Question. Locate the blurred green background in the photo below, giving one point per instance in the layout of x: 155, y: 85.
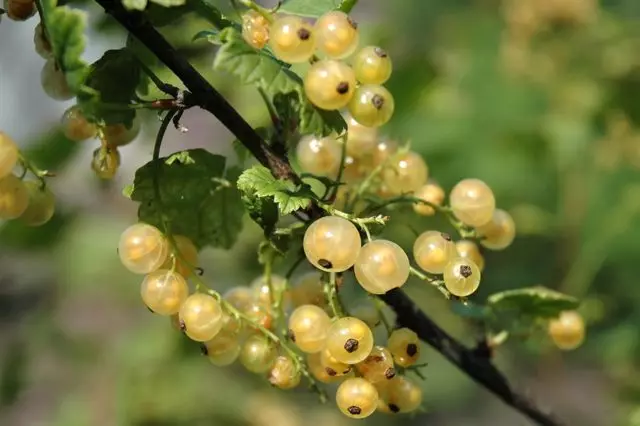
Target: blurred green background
x: 539, y: 98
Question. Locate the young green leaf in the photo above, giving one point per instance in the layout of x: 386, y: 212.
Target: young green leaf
x: 259, y: 182
x: 532, y: 302
x: 65, y: 32
x: 198, y: 199
x: 308, y: 8
x: 264, y: 71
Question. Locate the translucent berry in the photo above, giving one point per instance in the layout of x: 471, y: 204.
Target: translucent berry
x: 20, y: 10
x: 567, y: 331
x: 332, y: 366
x: 240, y: 297
x: 259, y: 313
x: 164, y: 291
x: 349, y: 340
x: 404, y: 346
x: 42, y: 205
x: 14, y: 197
x: 185, y: 255
x: 433, y: 250
x: 223, y: 349
x: 308, y: 290
x: 258, y: 354
x: 401, y: 395
x: 8, y: 155
x: 308, y: 327
x: 75, y: 126
x: 461, y: 277
x: 54, y: 82
x: 499, y: 232
x: 255, y: 29
x: 432, y: 193
x: 381, y: 266
x: 319, y: 156
x: 261, y: 290
x: 202, y: 317
x: 371, y: 105
x: 366, y: 312
x: 105, y: 162
x: 472, y: 202
x: 372, y: 65
x: 142, y: 248
x: 469, y: 250
x: 120, y: 135
x: 42, y: 45
x: 332, y: 244
x: 361, y: 140
x: 330, y: 84
x: 337, y: 35
x: 318, y: 371
x: 284, y: 374
x: 357, y: 398
x: 292, y: 39
x: 378, y: 366
x: 406, y: 173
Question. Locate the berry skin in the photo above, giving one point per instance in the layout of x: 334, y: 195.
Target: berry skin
x: 120, y: 135
x: 284, y: 374
x: 371, y: 105
x: 378, y: 366
x: 404, y: 345
x: 258, y: 354
x: 42, y: 45
x: 499, y: 232
x: 332, y: 244
x: 318, y: 371
x: 330, y: 84
x: 461, y: 277
x: 337, y: 35
x: 292, y: 39
x: 372, y: 65
x: 319, y: 156
x: 367, y: 313
x: 20, y: 10
x: 567, y: 331
x: 308, y: 327
x: 142, y: 248
x: 223, y: 349
x: 361, y: 140
x: 382, y: 151
x: 186, y: 256
x: 164, y: 291
x: 261, y: 291
x: 239, y: 297
x: 349, y: 340
x: 308, y: 291
x: 433, y: 250
x: 333, y: 367
x: 432, y: 193
x: 469, y: 250
x: 8, y: 155
x: 255, y: 29
x: 42, y: 205
x: 407, y: 173
x: 54, y: 82
x: 401, y: 395
x: 381, y: 266
x: 202, y: 317
x: 14, y: 197
x: 472, y: 202
x: 259, y: 313
x: 357, y: 398
x: 75, y: 126
x: 105, y: 162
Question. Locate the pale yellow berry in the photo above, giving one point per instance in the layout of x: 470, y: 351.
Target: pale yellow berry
x: 308, y: 290
x: 308, y: 327
x: 432, y: 193
x: 202, y: 317
x: 361, y: 140
x: 329, y: 84
x: 319, y: 156
x: 461, y: 277
x: 258, y: 354
x: 372, y: 105
x: 406, y: 173
x: 255, y: 29
x: 105, y: 162
x: 378, y: 366
x: 382, y: 265
x: 262, y: 292
x: 401, y: 395
x: 357, y: 398
x: 142, y: 248
x: 14, y: 197
x: 41, y: 205
x: 223, y: 349
x: 8, y: 155
x: 239, y: 297
x: 349, y: 340
x: 332, y: 244
x: 337, y: 35
x: 499, y: 232
x: 318, y: 371
x: 404, y: 346
x: 185, y: 256
x: 120, y: 135
x: 472, y: 202
x: 292, y: 39
x: 433, y: 250
x: 164, y: 291
x: 284, y: 374
x: 75, y: 125
x: 332, y: 366
x: 372, y: 65
x: 567, y: 331
x: 469, y: 250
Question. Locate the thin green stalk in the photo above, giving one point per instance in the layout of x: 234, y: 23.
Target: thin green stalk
x: 264, y: 12
x: 347, y: 5
x: 439, y: 284
x: 38, y: 173
x: 330, y: 194
x: 379, y: 304
x: 331, y: 294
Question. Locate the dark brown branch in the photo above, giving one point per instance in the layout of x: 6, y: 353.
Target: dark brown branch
x: 473, y: 363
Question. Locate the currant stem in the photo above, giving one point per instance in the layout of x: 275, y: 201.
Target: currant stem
x: 38, y: 173
x: 347, y: 5
x: 439, y: 284
x: 331, y: 294
x: 265, y: 13
x: 379, y: 304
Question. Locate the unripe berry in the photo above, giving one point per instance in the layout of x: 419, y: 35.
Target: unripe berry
x: 258, y: 354
x: 54, y: 82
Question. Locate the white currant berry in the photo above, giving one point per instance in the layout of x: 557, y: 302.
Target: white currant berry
x: 41, y: 206
x: 202, y: 317
x: 407, y: 173
x: 372, y: 65
x: 164, y: 291
x: 75, y: 126
x: 461, y: 277
x: 567, y: 331
x: 308, y: 327
x: 361, y: 140
x: 337, y: 34
x: 349, y: 340
x: 404, y: 346
x: 332, y: 366
x: 255, y: 29
x: 371, y: 105
x: 432, y: 193
x: 382, y: 265
x: 332, y: 244
x: 330, y: 84
x: 472, y: 202
x: 357, y: 398
x: 319, y: 156
x: 8, y: 155
x: 292, y: 39
x: 14, y: 197
x: 499, y: 232
x: 378, y: 366
x: 433, y: 250
x: 318, y: 371
x: 119, y: 135
x: 400, y: 395
x: 308, y: 290
x: 469, y: 250
x: 185, y: 256
x: 258, y: 354
x: 284, y: 374
x: 105, y: 162
x: 54, y: 82
x: 142, y: 248
x: 223, y: 349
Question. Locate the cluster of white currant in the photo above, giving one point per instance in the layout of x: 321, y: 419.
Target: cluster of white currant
x: 329, y: 84
x: 234, y: 326
x: 31, y: 201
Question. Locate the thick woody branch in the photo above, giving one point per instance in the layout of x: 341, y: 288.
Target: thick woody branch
x: 476, y: 364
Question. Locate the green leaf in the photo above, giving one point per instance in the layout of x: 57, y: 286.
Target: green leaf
x: 308, y: 8
x: 276, y: 79
x: 259, y: 182
x: 198, y: 199
x: 134, y: 4
x: 533, y: 302
x: 65, y: 30
x: 169, y: 3
x: 114, y: 77
x: 263, y: 211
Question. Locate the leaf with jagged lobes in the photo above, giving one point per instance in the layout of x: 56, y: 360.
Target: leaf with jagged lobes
x: 532, y: 302
x: 198, y: 197
x: 65, y: 31
x: 259, y: 68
